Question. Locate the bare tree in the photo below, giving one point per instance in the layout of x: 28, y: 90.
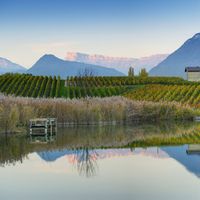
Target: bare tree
x: 86, y: 72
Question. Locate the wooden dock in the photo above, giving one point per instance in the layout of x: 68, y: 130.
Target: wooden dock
x: 43, y: 126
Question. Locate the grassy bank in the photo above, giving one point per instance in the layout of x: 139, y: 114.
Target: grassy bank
x: 15, y: 111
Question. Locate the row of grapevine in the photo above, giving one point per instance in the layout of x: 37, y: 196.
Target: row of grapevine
x: 29, y: 86
x: 42, y: 86
x: 121, y: 81
x: 169, y: 89
x: 185, y: 94
x: 81, y: 92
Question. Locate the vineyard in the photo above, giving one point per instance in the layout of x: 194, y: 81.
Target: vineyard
x: 149, y: 88
x: 122, y: 81
x: 29, y: 86
x: 26, y: 85
x: 185, y: 94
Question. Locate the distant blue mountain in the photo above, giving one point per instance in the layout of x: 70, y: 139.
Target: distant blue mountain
x: 50, y: 65
x: 8, y: 66
x: 187, y: 55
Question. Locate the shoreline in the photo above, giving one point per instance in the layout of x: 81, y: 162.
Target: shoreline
x: 17, y: 111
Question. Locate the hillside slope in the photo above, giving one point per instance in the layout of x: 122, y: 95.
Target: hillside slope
x: 187, y: 55
x: 50, y: 65
x: 8, y: 66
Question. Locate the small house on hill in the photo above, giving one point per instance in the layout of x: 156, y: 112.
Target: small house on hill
x: 192, y: 73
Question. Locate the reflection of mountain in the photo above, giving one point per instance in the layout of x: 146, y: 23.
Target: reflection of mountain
x: 102, y: 153
x: 190, y: 162
x: 54, y: 155
x: 85, y: 159
x: 84, y: 146
x: 15, y: 149
x: 178, y: 153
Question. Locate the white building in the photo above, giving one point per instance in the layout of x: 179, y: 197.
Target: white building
x: 192, y: 73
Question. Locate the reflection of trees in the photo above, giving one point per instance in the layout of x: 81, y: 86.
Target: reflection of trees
x: 15, y: 148
x: 12, y: 150
x: 86, y: 161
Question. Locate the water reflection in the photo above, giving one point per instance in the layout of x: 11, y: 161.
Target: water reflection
x: 85, y: 160
x: 84, y: 146
x: 190, y: 161
x: 42, y: 139
x: 193, y: 149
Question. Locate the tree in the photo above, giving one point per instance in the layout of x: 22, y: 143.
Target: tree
x: 143, y: 73
x: 86, y: 72
x: 131, y: 72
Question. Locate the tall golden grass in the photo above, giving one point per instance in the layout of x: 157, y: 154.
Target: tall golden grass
x: 18, y: 110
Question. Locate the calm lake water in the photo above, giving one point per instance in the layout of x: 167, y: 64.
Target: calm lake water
x: 111, y: 162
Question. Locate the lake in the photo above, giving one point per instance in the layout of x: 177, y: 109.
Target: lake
x: 146, y: 161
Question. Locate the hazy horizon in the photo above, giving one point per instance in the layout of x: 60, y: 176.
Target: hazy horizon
x: 123, y: 28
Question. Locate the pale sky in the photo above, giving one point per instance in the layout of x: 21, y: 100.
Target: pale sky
x: 125, y: 28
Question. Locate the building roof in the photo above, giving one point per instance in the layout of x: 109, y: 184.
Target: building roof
x: 192, y: 69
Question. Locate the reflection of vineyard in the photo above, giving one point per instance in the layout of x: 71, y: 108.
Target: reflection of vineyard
x: 12, y: 150
x: 187, y: 94
x: 84, y: 140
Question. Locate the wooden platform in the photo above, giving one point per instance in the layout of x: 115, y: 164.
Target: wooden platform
x: 43, y: 126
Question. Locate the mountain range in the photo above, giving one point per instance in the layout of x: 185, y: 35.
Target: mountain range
x: 120, y: 63
x: 75, y: 63
x: 8, y: 66
x: 174, y: 65
x: 50, y: 65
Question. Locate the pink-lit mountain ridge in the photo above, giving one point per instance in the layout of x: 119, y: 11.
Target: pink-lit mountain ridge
x: 120, y: 63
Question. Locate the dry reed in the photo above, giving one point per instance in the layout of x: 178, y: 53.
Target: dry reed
x: 18, y: 110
